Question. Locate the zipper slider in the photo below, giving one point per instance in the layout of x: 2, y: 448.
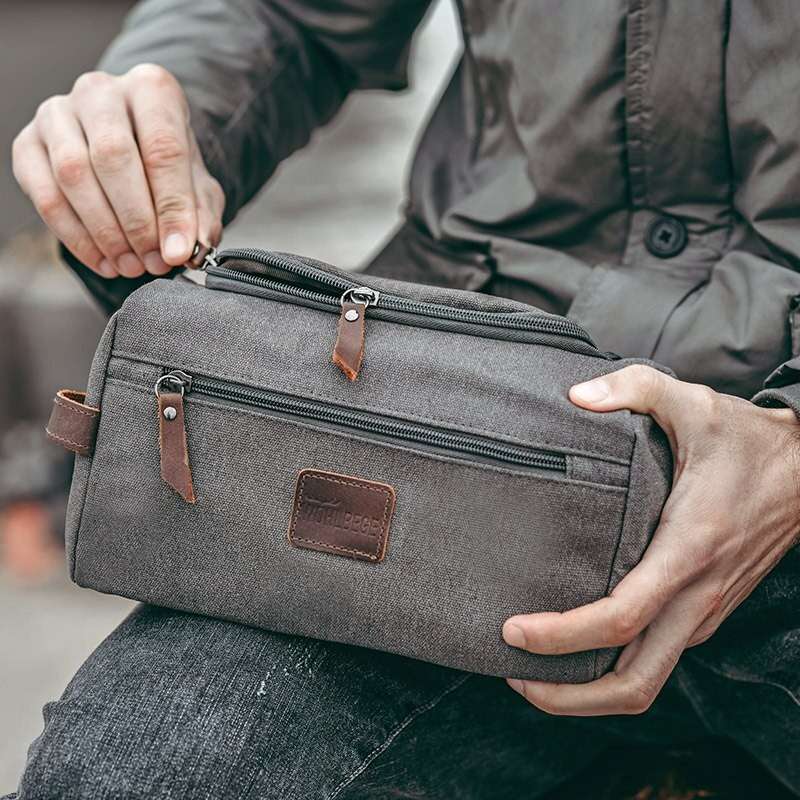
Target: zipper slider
x: 348, y: 351
x: 175, y: 381
x: 203, y: 256
x: 175, y: 469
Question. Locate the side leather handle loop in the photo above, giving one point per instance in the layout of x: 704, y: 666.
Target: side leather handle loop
x: 72, y: 423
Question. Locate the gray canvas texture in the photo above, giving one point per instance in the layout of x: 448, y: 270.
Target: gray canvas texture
x: 471, y: 542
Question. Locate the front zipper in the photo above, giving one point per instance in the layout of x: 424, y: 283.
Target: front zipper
x: 181, y: 383
x: 334, y: 287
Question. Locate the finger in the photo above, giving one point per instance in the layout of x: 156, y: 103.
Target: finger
x: 33, y: 172
x: 117, y: 164
x: 161, y: 126
x: 614, y: 620
x: 636, y: 681
x: 638, y: 388
x: 209, y: 224
x: 210, y: 200
x: 71, y: 165
x: 155, y: 264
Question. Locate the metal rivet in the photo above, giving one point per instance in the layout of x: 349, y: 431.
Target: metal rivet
x: 351, y: 315
x: 170, y: 413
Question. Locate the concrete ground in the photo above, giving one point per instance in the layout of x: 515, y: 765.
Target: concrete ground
x: 337, y: 200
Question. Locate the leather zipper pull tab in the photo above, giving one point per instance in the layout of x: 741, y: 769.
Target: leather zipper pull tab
x: 175, y: 469
x: 348, y: 353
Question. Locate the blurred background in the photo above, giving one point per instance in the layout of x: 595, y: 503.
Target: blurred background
x: 337, y: 200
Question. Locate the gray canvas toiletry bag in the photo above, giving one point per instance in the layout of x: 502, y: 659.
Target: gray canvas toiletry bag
x: 408, y: 494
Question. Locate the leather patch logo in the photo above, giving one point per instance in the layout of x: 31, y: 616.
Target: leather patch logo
x: 342, y: 515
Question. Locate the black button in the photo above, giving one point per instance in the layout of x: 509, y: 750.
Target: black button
x: 666, y: 237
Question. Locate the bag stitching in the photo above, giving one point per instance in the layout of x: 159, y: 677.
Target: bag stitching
x: 371, y: 556
x: 615, y: 554
x: 66, y: 441
x: 68, y: 407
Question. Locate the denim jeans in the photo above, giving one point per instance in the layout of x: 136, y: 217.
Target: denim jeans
x: 174, y: 705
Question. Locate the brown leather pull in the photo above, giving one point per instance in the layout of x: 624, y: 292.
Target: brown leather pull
x: 72, y: 423
x: 349, y: 350
x: 175, y: 469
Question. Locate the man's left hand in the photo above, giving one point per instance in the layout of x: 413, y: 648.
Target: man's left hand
x: 734, y: 510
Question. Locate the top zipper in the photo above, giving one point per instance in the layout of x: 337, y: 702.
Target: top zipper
x: 354, y: 300
x: 215, y: 266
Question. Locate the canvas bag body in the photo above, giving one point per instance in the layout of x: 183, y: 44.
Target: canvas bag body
x: 471, y: 540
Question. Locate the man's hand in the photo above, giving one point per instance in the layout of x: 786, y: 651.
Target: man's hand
x: 733, y: 512
x: 114, y: 170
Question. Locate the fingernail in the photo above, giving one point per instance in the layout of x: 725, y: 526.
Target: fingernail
x: 513, y: 635
x: 175, y: 247
x: 106, y: 269
x: 591, y: 391
x: 516, y: 685
x: 154, y: 264
x: 128, y: 263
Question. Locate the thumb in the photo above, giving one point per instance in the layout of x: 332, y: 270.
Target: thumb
x: 638, y: 388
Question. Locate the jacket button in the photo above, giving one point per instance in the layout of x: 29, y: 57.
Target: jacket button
x: 666, y: 237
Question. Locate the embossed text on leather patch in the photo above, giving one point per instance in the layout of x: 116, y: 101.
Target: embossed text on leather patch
x: 342, y: 515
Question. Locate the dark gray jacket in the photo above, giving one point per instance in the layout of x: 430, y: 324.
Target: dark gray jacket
x: 634, y: 164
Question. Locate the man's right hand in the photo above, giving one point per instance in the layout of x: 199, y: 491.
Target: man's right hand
x: 114, y: 170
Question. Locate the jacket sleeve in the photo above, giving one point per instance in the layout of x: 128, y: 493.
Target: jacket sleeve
x: 782, y: 387
x: 260, y: 76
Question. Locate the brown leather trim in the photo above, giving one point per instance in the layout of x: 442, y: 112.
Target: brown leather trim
x: 175, y: 469
x: 342, y: 515
x: 73, y: 424
x: 349, y: 349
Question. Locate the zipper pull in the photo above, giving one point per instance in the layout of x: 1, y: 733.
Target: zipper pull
x: 175, y: 469
x: 348, y: 352
x: 203, y: 256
